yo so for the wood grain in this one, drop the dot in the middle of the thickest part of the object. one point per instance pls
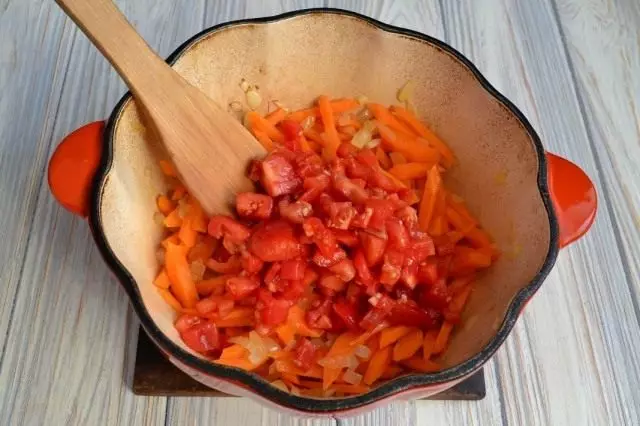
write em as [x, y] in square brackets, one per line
[573, 67]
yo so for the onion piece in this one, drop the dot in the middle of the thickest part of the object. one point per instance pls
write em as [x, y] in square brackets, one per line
[244, 85]
[352, 377]
[158, 218]
[257, 349]
[280, 385]
[362, 99]
[373, 143]
[240, 340]
[253, 99]
[363, 352]
[295, 391]
[308, 122]
[183, 208]
[406, 91]
[197, 270]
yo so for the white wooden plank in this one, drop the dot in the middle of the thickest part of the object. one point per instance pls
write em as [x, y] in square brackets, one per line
[571, 358]
[71, 345]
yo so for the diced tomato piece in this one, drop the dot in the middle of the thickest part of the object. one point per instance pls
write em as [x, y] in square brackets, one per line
[308, 164]
[206, 305]
[409, 274]
[344, 269]
[346, 149]
[293, 269]
[409, 217]
[380, 180]
[411, 315]
[291, 129]
[318, 315]
[240, 287]
[444, 246]
[274, 242]
[321, 236]
[363, 273]
[232, 266]
[367, 157]
[295, 212]
[382, 210]
[305, 354]
[382, 302]
[278, 175]
[271, 311]
[373, 318]
[341, 215]
[350, 190]
[186, 321]
[398, 235]
[428, 271]
[254, 206]
[332, 282]
[357, 170]
[251, 263]
[224, 226]
[321, 181]
[293, 290]
[202, 337]
[255, 170]
[347, 313]
[326, 261]
[348, 238]
[362, 220]
[373, 247]
[391, 268]
[436, 296]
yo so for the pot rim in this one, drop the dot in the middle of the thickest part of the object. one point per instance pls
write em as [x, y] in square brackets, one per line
[255, 383]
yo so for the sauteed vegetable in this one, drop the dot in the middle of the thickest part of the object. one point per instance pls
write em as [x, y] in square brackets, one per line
[350, 264]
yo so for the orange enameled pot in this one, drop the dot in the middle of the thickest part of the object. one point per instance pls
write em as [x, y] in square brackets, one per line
[533, 203]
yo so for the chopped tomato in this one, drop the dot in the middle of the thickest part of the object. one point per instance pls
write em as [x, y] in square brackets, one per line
[224, 226]
[305, 353]
[250, 262]
[411, 315]
[349, 189]
[293, 269]
[232, 266]
[202, 337]
[240, 287]
[397, 234]
[272, 311]
[254, 206]
[327, 261]
[381, 211]
[295, 212]
[290, 129]
[320, 235]
[347, 313]
[274, 242]
[373, 247]
[318, 315]
[278, 175]
[186, 321]
[344, 269]
[437, 296]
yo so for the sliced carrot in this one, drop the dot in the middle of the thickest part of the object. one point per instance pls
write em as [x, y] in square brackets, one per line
[173, 239]
[459, 284]
[454, 236]
[302, 114]
[332, 139]
[197, 216]
[259, 123]
[168, 169]
[178, 192]
[383, 158]
[170, 299]
[276, 116]
[377, 365]
[411, 148]
[397, 158]
[392, 334]
[212, 285]
[350, 389]
[418, 363]
[235, 322]
[182, 285]
[295, 324]
[459, 300]
[408, 345]
[469, 257]
[165, 205]
[369, 334]
[235, 358]
[314, 136]
[291, 378]
[429, 343]
[407, 117]
[458, 221]
[439, 225]
[304, 144]
[173, 219]
[461, 209]
[162, 280]
[187, 234]
[310, 384]
[382, 114]
[203, 249]
[410, 170]
[443, 337]
[343, 105]
[391, 371]
[478, 238]
[329, 376]
[264, 139]
[429, 198]
[234, 352]
[342, 345]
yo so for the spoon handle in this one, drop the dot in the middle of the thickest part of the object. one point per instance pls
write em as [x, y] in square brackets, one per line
[120, 43]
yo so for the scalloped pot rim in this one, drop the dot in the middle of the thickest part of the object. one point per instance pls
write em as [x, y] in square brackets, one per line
[402, 386]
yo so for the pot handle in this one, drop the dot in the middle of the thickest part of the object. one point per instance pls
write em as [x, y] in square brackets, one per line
[574, 198]
[73, 166]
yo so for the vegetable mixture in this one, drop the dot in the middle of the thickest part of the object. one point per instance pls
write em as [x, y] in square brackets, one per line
[350, 265]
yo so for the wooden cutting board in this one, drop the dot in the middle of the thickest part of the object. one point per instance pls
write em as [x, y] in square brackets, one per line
[154, 375]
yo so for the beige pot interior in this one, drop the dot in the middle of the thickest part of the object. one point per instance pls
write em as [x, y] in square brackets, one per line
[496, 173]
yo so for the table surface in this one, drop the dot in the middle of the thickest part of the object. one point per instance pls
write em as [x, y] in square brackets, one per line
[67, 334]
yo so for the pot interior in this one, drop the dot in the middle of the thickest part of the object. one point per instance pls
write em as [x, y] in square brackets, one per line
[497, 164]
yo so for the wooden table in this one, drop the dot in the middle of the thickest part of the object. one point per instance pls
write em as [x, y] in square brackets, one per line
[67, 334]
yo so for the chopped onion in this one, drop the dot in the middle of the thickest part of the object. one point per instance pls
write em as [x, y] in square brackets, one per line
[280, 385]
[253, 99]
[290, 345]
[160, 256]
[364, 114]
[341, 361]
[257, 349]
[158, 218]
[352, 377]
[361, 138]
[344, 119]
[240, 340]
[280, 105]
[317, 342]
[270, 344]
[308, 122]
[183, 208]
[273, 369]
[197, 270]
[328, 393]
[244, 85]
[363, 352]
[374, 142]
[362, 99]
[295, 391]
[405, 92]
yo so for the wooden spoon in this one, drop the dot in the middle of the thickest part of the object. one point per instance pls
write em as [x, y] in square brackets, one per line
[210, 149]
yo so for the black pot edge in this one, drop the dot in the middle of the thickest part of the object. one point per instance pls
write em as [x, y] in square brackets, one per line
[256, 383]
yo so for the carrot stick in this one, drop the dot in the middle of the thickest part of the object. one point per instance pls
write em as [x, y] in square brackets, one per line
[313, 135]
[429, 343]
[392, 334]
[173, 219]
[198, 219]
[457, 221]
[459, 300]
[417, 363]
[168, 169]
[257, 122]
[410, 170]
[173, 239]
[411, 148]
[276, 116]
[162, 280]
[343, 105]
[212, 285]
[397, 158]
[443, 337]
[165, 205]
[264, 139]
[333, 141]
[302, 114]
[429, 198]
[351, 389]
[187, 234]
[461, 209]
[383, 158]
[304, 144]
[407, 117]
[182, 285]
[377, 365]
[478, 238]
[408, 345]
[459, 284]
[382, 114]
[329, 376]
[391, 371]
[203, 250]
[170, 299]
[178, 192]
